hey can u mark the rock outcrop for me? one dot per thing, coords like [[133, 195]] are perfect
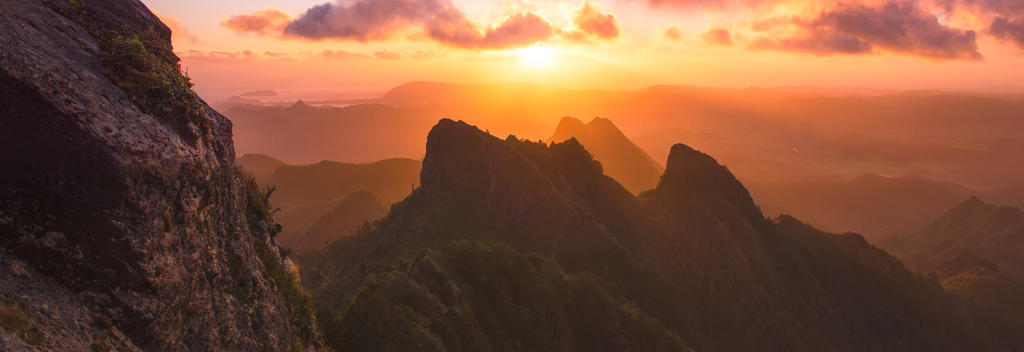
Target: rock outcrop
[[125, 223]]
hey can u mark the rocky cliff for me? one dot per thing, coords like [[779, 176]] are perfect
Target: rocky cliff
[[125, 223]]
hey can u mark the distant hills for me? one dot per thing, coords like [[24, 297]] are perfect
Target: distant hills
[[260, 166], [303, 134], [879, 207], [505, 236], [993, 233], [323, 201], [341, 218], [621, 159]]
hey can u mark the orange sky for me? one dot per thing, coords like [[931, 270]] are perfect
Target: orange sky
[[324, 48]]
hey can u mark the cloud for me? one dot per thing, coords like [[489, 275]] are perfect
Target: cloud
[[711, 4], [899, 26], [387, 55], [343, 55], [1008, 29], [179, 33], [591, 21], [717, 37], [439, 20], [265, 22], [674, 33]]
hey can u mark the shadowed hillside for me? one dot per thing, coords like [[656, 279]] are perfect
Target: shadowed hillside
[[995, 233], [502, 233]]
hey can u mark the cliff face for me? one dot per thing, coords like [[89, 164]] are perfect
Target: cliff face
[[125, 223]]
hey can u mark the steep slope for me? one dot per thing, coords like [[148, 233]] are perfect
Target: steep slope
[[621, 159], [125, 224], [487, 252], [260, 166], [995, 233], [343, 219]]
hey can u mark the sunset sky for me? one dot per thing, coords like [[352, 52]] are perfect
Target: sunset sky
[[363, 47]]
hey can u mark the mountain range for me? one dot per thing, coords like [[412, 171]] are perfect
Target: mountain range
[[505, 236]]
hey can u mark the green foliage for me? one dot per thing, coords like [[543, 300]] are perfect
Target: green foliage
[[286, 282], [158, 86], [13, 319], [482, 295], [141, 62]]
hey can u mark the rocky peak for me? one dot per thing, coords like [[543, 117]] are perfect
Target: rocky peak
[[692, 176], [300, 106], [568, 127]]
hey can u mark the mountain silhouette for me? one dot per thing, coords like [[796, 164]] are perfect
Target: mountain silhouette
[[390, 179], [260, 166], [505, 236], [342, 218], [621, 159], [995, 233], [306, 194], [882, 208]]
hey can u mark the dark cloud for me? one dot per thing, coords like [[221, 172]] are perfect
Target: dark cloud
[[1008, 29], [269, 21], [440, 20], [997, 7], [717, 37], [896, 26], [592, 22]]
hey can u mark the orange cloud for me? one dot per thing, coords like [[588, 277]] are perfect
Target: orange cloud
[[717, 37], [592, 22], [179, 33], [265, 22], [674, 33]]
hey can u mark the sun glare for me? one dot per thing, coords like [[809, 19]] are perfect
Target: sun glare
[[537, 56]]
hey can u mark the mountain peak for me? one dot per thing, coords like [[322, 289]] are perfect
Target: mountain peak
[[299, 104], [568, 127], [620, 158], [691, 175]]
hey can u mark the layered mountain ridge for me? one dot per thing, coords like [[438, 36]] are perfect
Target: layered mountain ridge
[[500, 231], [621, 159]]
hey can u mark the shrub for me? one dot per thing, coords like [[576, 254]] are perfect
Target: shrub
[[14, 320]]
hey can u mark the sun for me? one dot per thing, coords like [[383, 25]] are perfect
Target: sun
[[537, 56]]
